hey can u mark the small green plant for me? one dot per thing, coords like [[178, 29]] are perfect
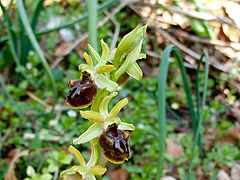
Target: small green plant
[[96, 87]]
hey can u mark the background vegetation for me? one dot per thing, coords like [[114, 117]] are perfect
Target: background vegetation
[[41, 45]]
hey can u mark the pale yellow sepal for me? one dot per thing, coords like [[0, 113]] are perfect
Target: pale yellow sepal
[[93, 116], [94, 53], [105, 54], [88, 59], [92, 132], [103, 107], [135, 71], [77, 154], [105, 68], [115, 110], [97, 170], [126, 126]]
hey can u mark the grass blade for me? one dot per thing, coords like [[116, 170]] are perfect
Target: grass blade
[[32, 38], [13, 103], [162, 78], [13, 48], [36, 14], [196, 138], [92, 23]]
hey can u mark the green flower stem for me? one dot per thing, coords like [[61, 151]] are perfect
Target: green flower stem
[[32, 38]]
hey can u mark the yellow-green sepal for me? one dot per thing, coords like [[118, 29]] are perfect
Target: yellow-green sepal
[[92, 132]]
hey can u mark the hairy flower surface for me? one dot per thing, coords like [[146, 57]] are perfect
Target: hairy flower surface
[[84, 171], [114, 144], [82, 92]]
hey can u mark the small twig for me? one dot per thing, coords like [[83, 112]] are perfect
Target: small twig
[[194, 14], [56, 172], [214, 42], [31, 95], [8, 132], [116, 32], [42, 161]]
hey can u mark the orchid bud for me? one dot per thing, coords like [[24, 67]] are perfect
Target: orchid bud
[[82, 92]]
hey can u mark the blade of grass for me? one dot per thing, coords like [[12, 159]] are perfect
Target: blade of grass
[[36, 14], [13, 103], [12, 46], [32, 38], [84, 16], [92, 23], [201, 109], [4, 20], [162, 78]]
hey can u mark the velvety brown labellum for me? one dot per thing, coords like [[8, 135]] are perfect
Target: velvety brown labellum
[[114, 144], [82, 92]]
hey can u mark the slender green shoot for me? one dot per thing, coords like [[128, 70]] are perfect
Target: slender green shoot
[[200, 110], [32, 38], [13, 103], [20, 68], [92, 22], [162, 78]]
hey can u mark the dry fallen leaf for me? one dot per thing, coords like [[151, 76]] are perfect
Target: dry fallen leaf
[[174, 150], [232, 135], [119, 174], [235, 171], [10, 175], [59, 51], [222, 175]]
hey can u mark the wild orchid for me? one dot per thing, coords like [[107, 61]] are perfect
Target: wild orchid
[[96, 87]]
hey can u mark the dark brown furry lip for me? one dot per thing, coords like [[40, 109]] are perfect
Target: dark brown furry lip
[[114, 144], [82, 91]]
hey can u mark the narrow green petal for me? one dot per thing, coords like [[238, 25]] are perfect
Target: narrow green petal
[[97, 170], [77, 154], [126, 126], [115, 110], [94, 53], [105, 68], [104, 82], [92, 132], [135, 71], [103, 108], [88, 59], [105, 54], [93, 116]]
